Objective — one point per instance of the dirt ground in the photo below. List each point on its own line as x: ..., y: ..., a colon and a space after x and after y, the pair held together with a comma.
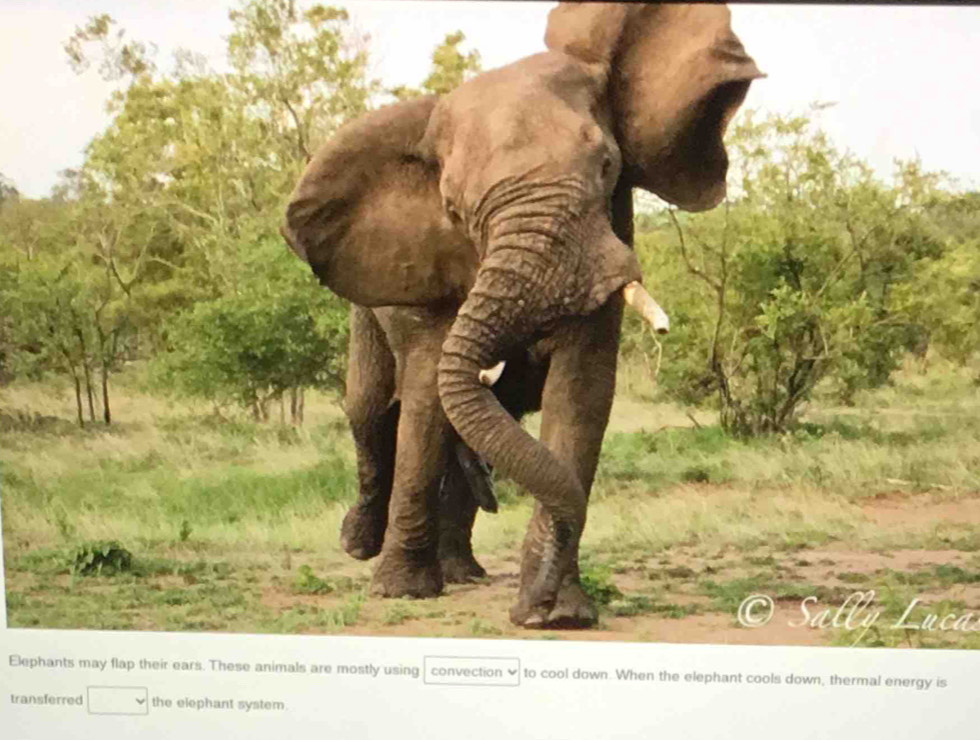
x: 679, y: 596
x: 920, y: 549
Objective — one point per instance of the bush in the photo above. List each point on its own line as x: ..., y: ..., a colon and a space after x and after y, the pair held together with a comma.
x: 597, y: 582
x: 274, y: 331
x: 793, y: 281
x: 97, y: 558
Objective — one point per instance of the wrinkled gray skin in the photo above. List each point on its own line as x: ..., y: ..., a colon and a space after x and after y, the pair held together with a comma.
x: 495, y: 224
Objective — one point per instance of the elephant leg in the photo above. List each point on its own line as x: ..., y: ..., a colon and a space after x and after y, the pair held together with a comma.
x: 575, y: 405
x: 457, y: 513
x: 373, y: 417
x: 409, y: 564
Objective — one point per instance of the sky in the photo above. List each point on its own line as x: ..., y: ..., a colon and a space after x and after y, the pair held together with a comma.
x: 904, y: 79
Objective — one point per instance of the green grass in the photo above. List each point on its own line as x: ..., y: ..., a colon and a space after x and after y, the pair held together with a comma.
x: 174, y: 477
x: 311, y: 618
x: 230, y: 525
x: 398, y: 613
x: 597, y: 582
x: 860, y: 458
x: 942, y: 576
x: 726, y: 596
x: 903, y: 622
x: 636, y: 604
x: 308, y: 582
x: 207, y: 594
x: 480, y: 628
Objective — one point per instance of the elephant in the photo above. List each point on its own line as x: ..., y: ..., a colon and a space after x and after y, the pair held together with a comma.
x: 484, y: 240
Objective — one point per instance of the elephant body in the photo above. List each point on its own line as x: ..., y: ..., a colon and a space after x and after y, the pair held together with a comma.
x: 494, y: 225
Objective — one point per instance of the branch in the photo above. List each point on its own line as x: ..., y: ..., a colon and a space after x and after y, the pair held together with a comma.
x: 659, y: 351
x: 722, y: 284
x: 687, y: 260
x: 127, y: 285
x: 855, y: 242
x: 856, y: 246
x: 745, y: 350
x: 300, y: 139
x: 193, y: 211
x: 166, y: 263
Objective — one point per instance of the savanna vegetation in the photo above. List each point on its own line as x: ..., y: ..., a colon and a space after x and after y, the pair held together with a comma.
x: 174, y: 453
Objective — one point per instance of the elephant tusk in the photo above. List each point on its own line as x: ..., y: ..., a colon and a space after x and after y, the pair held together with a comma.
x: 642, y: 302
x: 491, y: 375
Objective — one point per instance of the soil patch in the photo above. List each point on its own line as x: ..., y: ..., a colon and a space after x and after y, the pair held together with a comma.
x: 919, y: 513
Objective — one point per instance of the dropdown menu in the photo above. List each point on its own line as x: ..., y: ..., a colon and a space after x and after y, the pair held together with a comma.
x: 472, y: 671
x: 118, y: 700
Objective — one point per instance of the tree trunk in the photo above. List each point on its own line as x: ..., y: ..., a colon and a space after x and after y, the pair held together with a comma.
x: 106, y: 414
x: 88, y: 391
x: 78, y: 385
x: 78, y: 400
x: 88, y: 373
x: 296, y: 405
x: 105, y: 356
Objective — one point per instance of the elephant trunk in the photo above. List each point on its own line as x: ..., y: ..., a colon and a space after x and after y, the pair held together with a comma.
x: 501, y: 313
x: 535, y: 273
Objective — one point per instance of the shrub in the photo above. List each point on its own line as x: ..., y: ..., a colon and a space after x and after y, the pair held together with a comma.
x: 793, y: 281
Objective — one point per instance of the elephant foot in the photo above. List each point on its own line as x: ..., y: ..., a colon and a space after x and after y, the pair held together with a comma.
x: 399, y: 575
x: 456, y: 557
x: 572, y: 610
x: 363, y: 531
x: 461, y: 568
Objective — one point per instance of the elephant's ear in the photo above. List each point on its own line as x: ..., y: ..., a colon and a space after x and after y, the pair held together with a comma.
x: 677, y: 74
x: 368, y: 218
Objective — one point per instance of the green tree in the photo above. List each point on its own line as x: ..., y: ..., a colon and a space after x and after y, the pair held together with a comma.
x: 118, y: 57
x: 28, y: 228
x: 792, y: 281
x: 49, y: 307
x: 219, y: 153
x: 945, y: 294
x: 164, y: 244
x: 450, y: 69
x: 74, y: 265
x: 179, y: 198
x: 299, y: 70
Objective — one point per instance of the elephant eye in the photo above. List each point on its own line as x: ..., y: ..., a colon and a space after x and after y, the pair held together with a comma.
x: 606, y: 166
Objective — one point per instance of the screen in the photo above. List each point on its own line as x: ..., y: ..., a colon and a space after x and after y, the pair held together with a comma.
x: 482, y: 369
